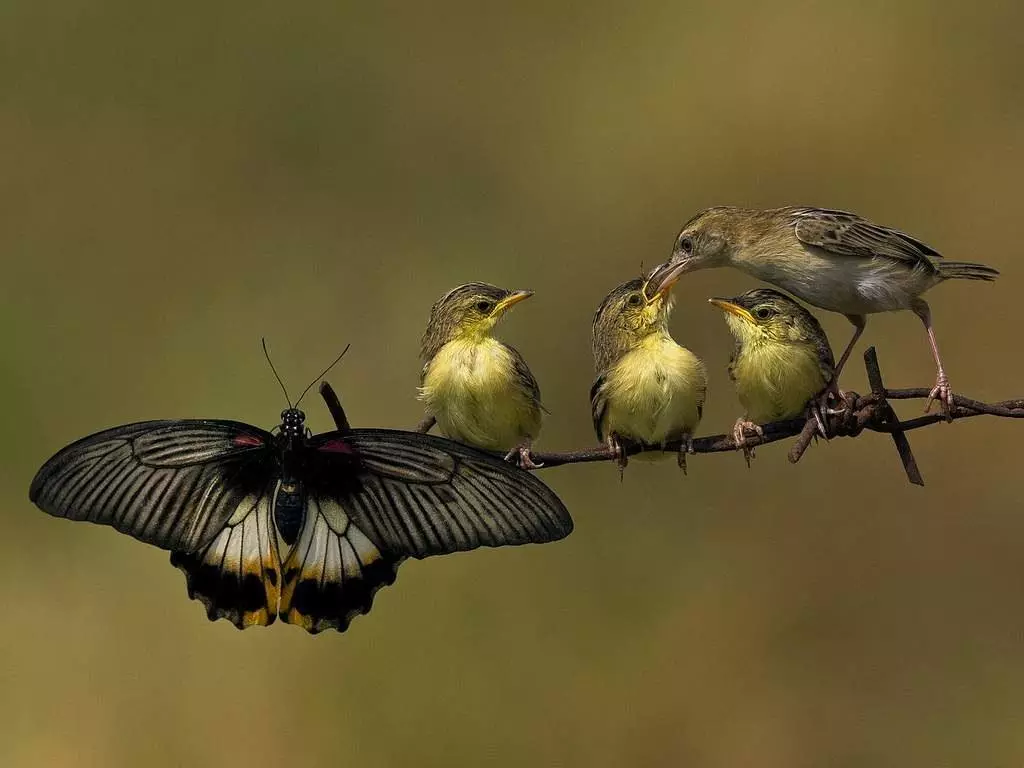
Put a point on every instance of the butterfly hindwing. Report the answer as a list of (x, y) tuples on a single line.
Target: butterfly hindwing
[(173, 484), (237, 575), (333, 570)]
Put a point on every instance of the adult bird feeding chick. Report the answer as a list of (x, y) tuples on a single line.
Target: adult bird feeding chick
[(781, 360), (648, 389), (831, 259), (480, 391)]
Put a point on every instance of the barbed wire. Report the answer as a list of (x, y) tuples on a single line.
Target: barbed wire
[(872, 412)]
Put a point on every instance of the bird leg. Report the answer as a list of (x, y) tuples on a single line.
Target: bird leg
[(739, 431), (817, 409), (859, 323), (619, 455), (941, 391), (522, 457), (685, 447)]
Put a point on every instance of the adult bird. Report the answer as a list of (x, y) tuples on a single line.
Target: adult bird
[(480, 391), (831, 259), (781, 360), (648, 389)]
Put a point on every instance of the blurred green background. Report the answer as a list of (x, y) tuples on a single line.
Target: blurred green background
[(179, 179)]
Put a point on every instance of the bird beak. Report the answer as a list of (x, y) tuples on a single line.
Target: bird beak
[(732, 308), (513, 298), (662, 279)]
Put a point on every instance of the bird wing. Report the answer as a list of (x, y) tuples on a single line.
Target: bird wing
[(524, 376), (737, 347), (599, 404), (847, 234), (826, 361)]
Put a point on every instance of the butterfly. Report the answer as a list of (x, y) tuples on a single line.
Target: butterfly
[(293, 525)]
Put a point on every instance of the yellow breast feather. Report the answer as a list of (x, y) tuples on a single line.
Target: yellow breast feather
[(775, 381), (655, 392), (471, 388)]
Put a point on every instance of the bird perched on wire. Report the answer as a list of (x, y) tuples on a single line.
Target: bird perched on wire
[(480, 391), (831, 259), (648, 389), (780, 363)]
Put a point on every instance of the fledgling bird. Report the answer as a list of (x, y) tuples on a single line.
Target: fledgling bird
[(781, 360), (480, 391), (831, 259), (648, 389)]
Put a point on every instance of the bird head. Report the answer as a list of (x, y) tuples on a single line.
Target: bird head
[(764, 315), (630, 313), (705, 241), (468, 311)]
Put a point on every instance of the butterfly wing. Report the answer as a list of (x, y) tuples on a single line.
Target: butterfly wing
[(236, 576), (173, 484), (377, 496), (200, 488), (334, 570)]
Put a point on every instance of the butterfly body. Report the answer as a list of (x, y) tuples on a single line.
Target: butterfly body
[(305, 527)]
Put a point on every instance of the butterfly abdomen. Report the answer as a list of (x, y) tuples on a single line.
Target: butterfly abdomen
[(289, 511)]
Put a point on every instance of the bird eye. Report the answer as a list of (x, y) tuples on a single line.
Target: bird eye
[(635, 300), (485, 306), (763, 313), (686, 244)]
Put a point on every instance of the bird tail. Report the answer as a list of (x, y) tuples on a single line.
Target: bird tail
[(964, 270)]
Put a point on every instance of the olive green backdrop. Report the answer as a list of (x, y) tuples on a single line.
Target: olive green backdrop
[(179, 179)]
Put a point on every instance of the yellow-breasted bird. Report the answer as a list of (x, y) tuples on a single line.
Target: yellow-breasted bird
[(480, 391), (648, 389), (831, 259), (781, 359)]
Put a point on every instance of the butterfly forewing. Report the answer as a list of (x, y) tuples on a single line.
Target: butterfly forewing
[(420, 495), (173, 484)]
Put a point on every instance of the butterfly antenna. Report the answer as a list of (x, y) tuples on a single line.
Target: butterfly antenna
[(266, 354), (322, 374)]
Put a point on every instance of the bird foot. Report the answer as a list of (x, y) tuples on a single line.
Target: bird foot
[(685, 447), (944, 394), (739, 431), (522, 457), (833, 401), (819, 410), (618, 454)]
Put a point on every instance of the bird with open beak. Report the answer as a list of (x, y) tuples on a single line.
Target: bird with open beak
[(831, 259), (480, 391), (781, 360), (649, 389)]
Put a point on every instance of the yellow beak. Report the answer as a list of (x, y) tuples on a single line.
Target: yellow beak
[(513, 298), (732, 308)]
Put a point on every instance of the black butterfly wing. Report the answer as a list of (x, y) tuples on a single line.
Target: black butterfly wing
[(200, 488), (377, 496), (236, 576), (173, 484)]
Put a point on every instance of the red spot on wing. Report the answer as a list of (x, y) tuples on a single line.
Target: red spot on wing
[(245, 441), (337, 446)]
